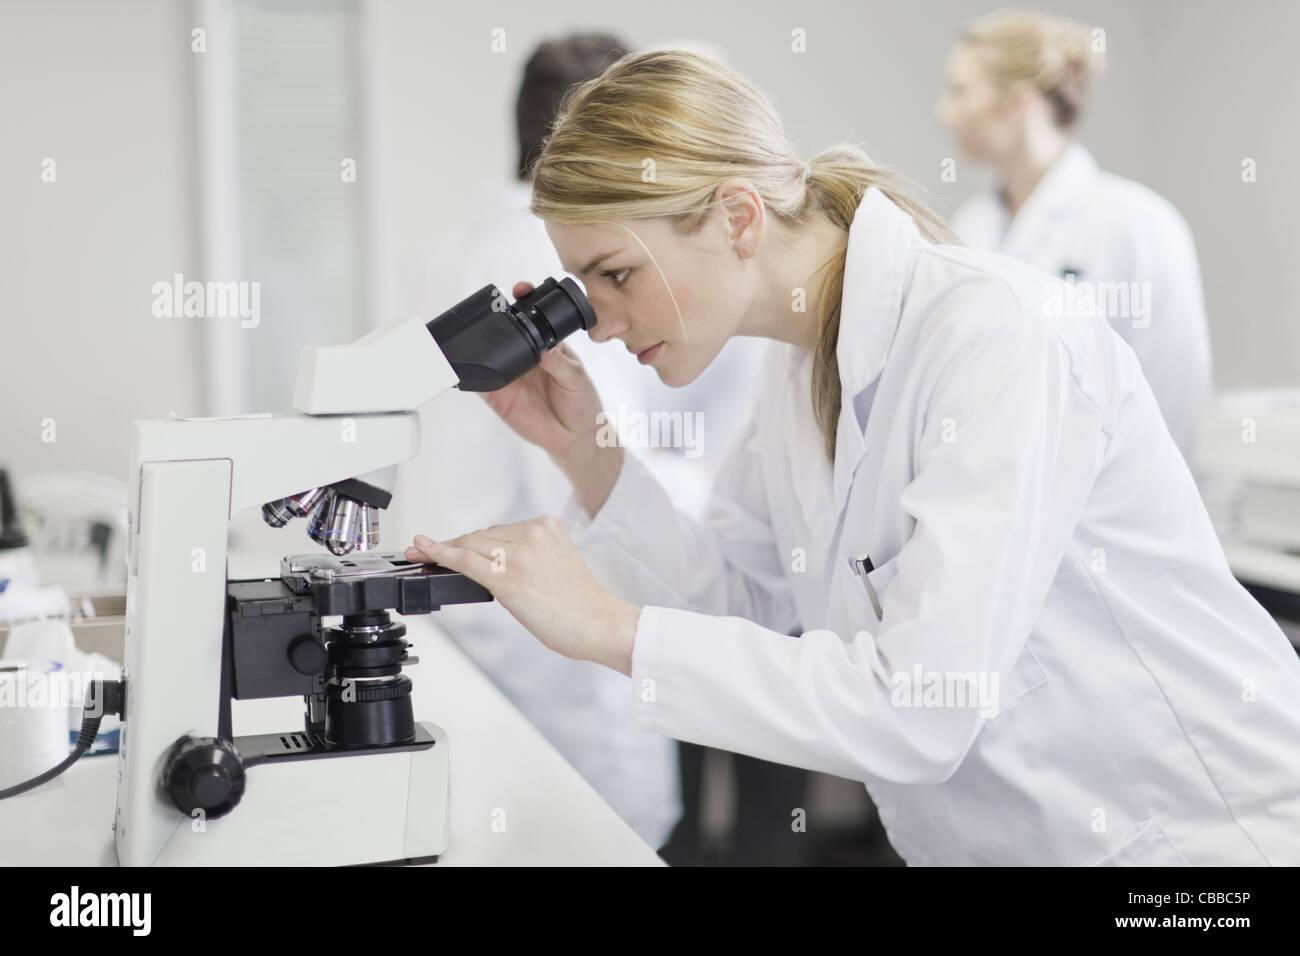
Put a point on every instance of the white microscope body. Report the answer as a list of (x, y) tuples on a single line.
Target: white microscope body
[(298, 802)]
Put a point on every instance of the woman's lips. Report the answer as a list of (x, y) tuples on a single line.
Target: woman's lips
[(648, 356)]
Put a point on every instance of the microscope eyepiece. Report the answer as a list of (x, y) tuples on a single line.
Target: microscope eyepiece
[(558, 309), (489, 342)]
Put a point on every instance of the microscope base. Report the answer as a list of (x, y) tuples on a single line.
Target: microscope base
[(374, 808)]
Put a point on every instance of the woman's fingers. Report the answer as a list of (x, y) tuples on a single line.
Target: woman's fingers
[(482, 542), (549, 589), (487, 544), (566, 370), (463, 560), (521, 288), (518, 531)]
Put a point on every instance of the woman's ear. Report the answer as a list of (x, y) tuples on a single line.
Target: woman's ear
[(744, 215)]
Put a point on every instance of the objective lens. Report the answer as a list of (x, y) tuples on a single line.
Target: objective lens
[(368, 528), (338, 521), (277, 513), (302, 504), (341, 536), (320, 518)]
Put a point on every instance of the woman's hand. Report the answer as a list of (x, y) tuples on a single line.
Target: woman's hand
[(534, 570), (555, 405)]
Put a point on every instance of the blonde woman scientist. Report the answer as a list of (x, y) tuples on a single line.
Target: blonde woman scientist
[(1040, 656), (1016, 85)]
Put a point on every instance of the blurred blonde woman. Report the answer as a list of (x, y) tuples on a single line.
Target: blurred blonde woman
[(1017, 84), (1018, 628)]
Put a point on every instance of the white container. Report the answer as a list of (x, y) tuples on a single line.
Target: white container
[(34, 701), (17, 569)]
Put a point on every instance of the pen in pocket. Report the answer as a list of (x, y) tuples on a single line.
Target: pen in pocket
[(862, 566)]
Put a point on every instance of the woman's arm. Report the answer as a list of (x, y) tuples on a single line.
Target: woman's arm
[(592, 471), (646, 550)]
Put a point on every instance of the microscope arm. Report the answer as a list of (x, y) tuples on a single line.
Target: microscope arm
[(397, 367), (480, 344)]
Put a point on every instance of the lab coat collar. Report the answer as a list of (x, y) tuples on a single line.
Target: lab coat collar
[(883, 242), (882, 249), (1064, 186)]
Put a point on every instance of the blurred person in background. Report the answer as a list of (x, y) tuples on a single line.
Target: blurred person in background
[(1016, 86)]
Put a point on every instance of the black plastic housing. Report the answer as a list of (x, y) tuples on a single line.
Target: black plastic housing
[(490, 342)]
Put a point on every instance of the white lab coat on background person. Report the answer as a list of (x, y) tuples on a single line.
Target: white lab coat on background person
[(474, 472), (1104, 229), (1030, 519)]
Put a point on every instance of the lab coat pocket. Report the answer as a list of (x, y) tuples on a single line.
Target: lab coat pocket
[(1026, 675), (863, 610), (880, 578), (1148, 847)]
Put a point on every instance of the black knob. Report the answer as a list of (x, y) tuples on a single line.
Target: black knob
[(204, 773), (308, 655)]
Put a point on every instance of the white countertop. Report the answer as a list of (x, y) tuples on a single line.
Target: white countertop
[(499, 761)]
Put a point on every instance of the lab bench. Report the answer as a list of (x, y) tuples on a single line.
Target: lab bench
[(514, 800)]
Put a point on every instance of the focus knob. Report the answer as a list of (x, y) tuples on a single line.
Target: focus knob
[(308, 656), (204, 773)]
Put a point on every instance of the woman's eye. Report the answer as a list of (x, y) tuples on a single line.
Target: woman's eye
[(619, 276)]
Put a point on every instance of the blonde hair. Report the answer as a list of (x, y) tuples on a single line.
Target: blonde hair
[(696, 123), (1055, 55)]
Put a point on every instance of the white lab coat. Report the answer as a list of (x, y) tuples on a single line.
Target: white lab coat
[(1030, 518), (1134, 250)]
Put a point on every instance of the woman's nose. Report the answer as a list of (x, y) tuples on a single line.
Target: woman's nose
[(606, 327)]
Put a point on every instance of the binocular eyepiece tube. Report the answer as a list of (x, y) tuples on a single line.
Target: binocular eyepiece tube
[(490, 342)]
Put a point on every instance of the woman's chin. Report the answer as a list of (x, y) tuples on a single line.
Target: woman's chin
[(672, 376)]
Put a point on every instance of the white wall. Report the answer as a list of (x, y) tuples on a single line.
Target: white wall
[(1220, 83), (104, 90)]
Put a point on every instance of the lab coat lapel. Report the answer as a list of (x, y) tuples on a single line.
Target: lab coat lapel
[(809, 470), (1062, 189), (882, 250), (882, 247)]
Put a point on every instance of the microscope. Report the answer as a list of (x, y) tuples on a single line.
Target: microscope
[(361, 781)]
